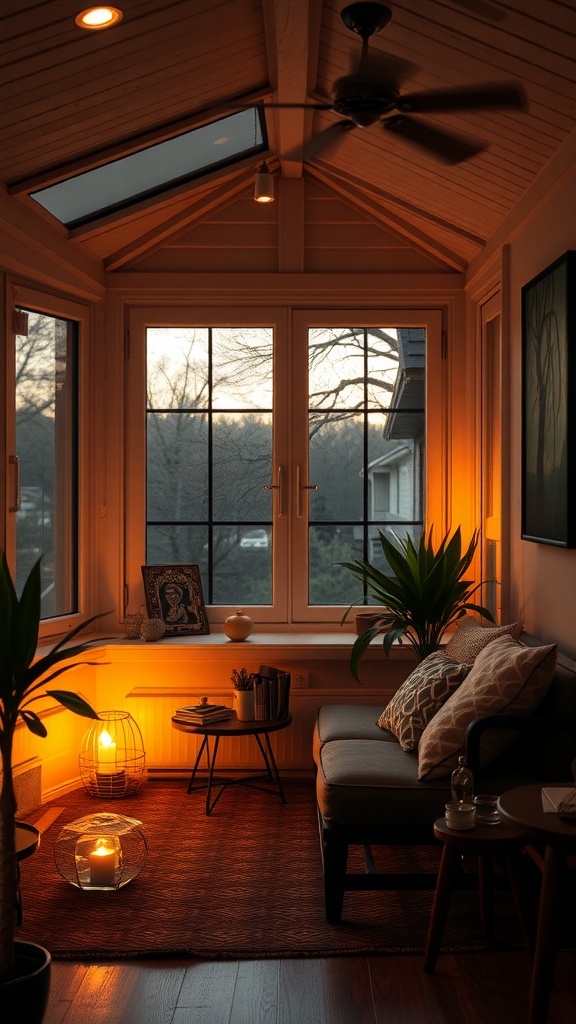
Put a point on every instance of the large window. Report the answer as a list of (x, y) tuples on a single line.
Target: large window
[(42, 484), (209, 455), (276, 447)]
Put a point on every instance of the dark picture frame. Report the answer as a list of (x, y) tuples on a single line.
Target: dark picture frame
[(549, 405), (174, 594)]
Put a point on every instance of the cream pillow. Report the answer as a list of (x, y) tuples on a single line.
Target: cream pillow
[(470, 637), (420, 696), (505, 677)]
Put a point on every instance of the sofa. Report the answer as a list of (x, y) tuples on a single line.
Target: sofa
[(383, 774)]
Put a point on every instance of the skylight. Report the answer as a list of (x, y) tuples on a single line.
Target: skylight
[(154, 170)]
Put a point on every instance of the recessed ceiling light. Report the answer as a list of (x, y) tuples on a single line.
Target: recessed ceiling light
[(95, 18)]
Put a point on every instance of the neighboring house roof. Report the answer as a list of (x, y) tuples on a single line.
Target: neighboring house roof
[(410, 390)]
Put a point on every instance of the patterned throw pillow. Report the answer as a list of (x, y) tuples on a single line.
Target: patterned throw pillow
[(470, 637), (505, 678), (420, 696)]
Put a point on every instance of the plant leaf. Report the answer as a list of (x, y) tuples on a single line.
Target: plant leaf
[(33, 723), (73, 702)]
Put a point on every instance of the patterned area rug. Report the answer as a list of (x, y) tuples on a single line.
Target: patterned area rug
[(244, 883)]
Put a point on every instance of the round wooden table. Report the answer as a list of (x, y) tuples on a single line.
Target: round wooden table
[(231, 727), (27, 842), (487, 842), (523, 809)]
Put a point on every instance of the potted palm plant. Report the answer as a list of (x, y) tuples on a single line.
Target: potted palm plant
[(23, 680), (423, 594)]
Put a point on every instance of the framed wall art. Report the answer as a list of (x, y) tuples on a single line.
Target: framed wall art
[(549, 405), (174, 594)]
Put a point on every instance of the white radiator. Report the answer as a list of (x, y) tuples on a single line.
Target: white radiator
[(169, 749), (28, 785)]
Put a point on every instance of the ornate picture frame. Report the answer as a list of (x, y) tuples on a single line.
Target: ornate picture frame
[(174, 594), (549, 405)]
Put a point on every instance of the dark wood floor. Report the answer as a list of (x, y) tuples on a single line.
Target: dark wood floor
[(467, 988)]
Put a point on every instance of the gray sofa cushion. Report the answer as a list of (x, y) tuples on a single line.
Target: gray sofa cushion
[(363, 782), (348, 722)]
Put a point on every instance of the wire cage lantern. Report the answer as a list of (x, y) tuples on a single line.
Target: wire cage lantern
[(101, 851), (112, 757)]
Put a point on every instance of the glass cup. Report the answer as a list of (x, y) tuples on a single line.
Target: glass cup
[(460, 816), (486, 805)]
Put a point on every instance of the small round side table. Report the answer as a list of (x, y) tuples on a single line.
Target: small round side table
[(232, 728), (523, 808), (487, 842)]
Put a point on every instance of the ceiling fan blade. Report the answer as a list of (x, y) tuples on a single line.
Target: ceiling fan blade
[(322, 143), (435, 101), (451, 148)]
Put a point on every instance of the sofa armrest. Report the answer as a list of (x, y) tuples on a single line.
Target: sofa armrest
[(520, 723)]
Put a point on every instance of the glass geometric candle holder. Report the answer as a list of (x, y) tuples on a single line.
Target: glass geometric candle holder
[(112, 758), (101, 851)]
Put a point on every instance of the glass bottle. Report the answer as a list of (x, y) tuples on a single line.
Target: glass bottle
[(462, 783)]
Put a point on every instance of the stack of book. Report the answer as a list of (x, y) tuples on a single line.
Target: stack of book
[(202, 714), (271, 693)]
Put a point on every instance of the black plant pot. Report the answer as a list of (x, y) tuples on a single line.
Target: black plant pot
[(26, 997)]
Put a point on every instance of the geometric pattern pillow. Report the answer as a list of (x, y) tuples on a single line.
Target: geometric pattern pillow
[(470, 637), (505, 678), (420, 696)]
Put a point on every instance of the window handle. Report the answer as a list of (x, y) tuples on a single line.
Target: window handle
[(299, 488), (277, 487), (15, 461)]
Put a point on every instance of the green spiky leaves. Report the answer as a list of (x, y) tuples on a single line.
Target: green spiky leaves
[(423, 594)]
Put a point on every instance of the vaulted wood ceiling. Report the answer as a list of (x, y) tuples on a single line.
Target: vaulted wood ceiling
[(69, 99)]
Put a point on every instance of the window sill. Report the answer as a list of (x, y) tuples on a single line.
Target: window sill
[(216, 646)]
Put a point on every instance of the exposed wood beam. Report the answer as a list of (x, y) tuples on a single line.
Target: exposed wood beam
[(292, 35)]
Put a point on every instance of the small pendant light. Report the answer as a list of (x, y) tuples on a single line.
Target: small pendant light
[(264, 185)]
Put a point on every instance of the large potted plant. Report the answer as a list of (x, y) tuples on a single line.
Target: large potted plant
[(23, 680), (423, 594)]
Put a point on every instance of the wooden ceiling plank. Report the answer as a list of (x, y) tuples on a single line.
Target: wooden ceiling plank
[(177, 225), (425, 243)]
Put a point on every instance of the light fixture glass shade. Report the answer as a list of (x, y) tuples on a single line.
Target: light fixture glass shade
[(101, 851), (96, 18), (264, 185), (112, 758)]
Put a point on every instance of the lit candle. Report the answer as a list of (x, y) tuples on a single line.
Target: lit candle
[(106, 751), (102, 862)]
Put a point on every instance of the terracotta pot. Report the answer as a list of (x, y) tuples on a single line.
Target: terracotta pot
[(26, 997), (364, 620)]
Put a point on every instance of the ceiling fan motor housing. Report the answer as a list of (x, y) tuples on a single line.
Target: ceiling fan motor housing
[(363, 102)]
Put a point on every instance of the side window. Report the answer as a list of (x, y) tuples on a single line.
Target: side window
[(42, 487)]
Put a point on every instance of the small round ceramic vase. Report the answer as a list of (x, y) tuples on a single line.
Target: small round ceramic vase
[(238, 626)]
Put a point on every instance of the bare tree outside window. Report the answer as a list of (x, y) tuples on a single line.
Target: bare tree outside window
[(209, 437), (46, 447)]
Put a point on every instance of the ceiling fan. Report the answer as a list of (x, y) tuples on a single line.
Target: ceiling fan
[(371, 96)]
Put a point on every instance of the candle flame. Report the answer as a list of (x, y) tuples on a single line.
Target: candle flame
[(105, 740), (103, 848)]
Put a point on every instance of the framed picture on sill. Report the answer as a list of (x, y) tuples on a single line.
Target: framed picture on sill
[(174, 594), (549, 405)]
